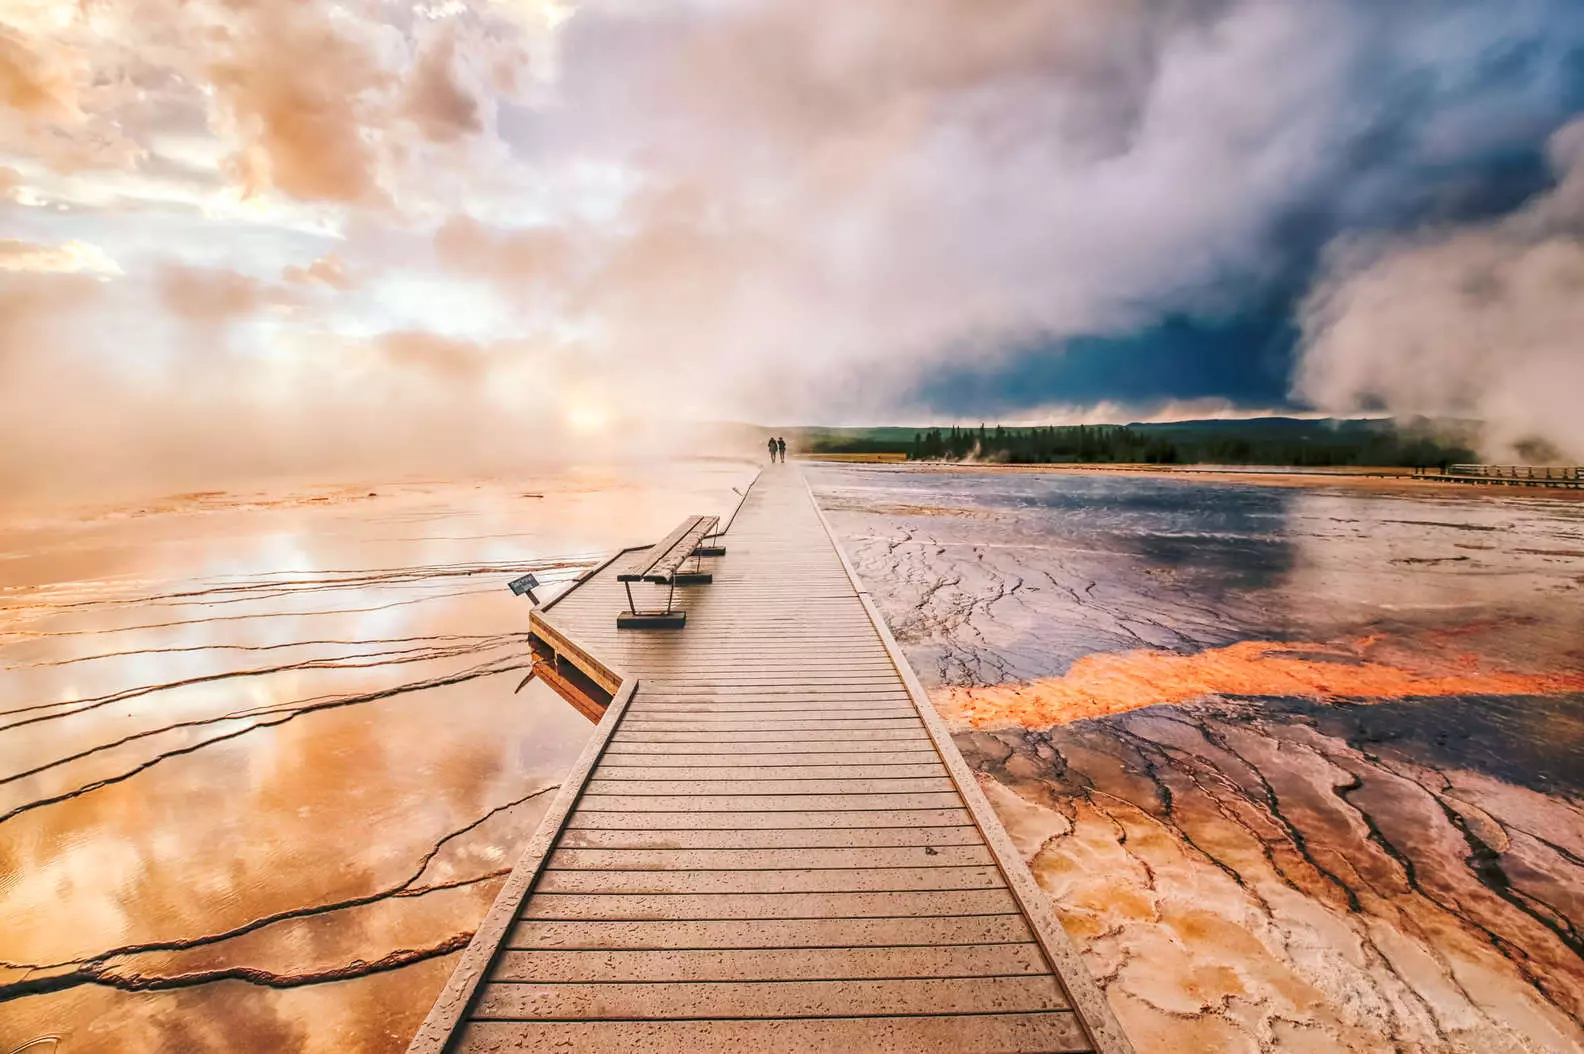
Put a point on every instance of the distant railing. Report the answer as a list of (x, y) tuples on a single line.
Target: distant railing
[(1555, 473)]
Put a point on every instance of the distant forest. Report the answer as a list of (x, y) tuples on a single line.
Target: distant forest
[(1262, 441)]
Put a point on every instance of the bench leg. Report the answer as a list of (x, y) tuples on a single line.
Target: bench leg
[(669, 618), (696, 577), (651, 620)]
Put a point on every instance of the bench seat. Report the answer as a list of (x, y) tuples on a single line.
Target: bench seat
[(662, 561), (662, 564)]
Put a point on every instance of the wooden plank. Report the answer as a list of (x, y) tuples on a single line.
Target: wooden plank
[(837, 785), (853, 857), (834, 880), (768, 905), (843, 761), (718, 773), (769, 964), (776, 803), (1050, 1032), (938, 931), (592, 1002), (775, 838), (836, 722), (757, 711), (690, 819), (805, 735), (798, 749), (775, 692)]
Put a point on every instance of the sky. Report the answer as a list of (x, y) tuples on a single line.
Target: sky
[(242, 237)]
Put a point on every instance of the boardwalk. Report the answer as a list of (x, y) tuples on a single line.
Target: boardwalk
[(770, 844)]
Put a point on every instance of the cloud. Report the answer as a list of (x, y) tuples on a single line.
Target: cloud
[(434, 101), (328, 271), (73, 257), (436, 356), (824, 199), (1479, 320), (213, 296), (514, 260), (295, 84), (34, 83)]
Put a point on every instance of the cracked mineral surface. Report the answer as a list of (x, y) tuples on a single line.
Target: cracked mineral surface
[(1302, 769), (262, 767)]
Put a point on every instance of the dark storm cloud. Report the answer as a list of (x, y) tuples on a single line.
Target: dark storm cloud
[(1242, 362), (1462, 143)]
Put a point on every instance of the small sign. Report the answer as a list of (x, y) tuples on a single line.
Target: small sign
[(525, 584)]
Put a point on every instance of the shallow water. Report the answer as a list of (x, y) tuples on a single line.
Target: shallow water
[(262, 761), (1301, 768)]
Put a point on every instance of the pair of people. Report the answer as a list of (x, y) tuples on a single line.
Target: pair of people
[(777, 449)]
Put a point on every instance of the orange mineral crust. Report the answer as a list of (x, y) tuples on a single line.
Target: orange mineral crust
[(1114, 683)]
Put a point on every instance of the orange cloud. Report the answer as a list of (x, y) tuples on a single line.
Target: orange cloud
[(213, 296), (73, 257), (512, 260), (327, 270), (297, 87), (1114, 683), (31, 84), (445, 357), (435, 102)]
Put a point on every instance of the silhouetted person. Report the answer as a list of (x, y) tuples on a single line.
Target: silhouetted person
[(772, 446), (781, 449)]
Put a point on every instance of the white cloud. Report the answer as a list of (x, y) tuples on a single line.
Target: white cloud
[(1484, 321)]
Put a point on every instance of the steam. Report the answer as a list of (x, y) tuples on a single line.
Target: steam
[(1483, 321)]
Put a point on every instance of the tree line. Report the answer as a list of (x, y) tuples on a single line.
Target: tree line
[(1355, 443)]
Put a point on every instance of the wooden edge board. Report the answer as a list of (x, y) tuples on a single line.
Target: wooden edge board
[(740, 503), (1083, 995), (539, 624), (451, 1006)]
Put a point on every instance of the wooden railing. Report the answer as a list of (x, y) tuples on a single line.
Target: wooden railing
[(1538, 473)]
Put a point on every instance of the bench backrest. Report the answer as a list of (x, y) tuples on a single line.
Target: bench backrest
[(660, 562)]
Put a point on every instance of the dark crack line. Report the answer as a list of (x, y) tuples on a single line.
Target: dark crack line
[(443, 637), (266, 590), (401, 656), (105, 977), (321, 613), (84, 970), (288, 715)]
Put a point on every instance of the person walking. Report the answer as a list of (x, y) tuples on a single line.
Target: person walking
[(781, 448), (772, 446)]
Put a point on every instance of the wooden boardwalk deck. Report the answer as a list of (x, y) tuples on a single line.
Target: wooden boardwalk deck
[(770, 844)]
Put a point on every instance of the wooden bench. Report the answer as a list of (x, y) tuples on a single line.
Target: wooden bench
[(663, 564)]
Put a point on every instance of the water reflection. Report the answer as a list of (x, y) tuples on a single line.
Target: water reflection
[(261, 764)]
